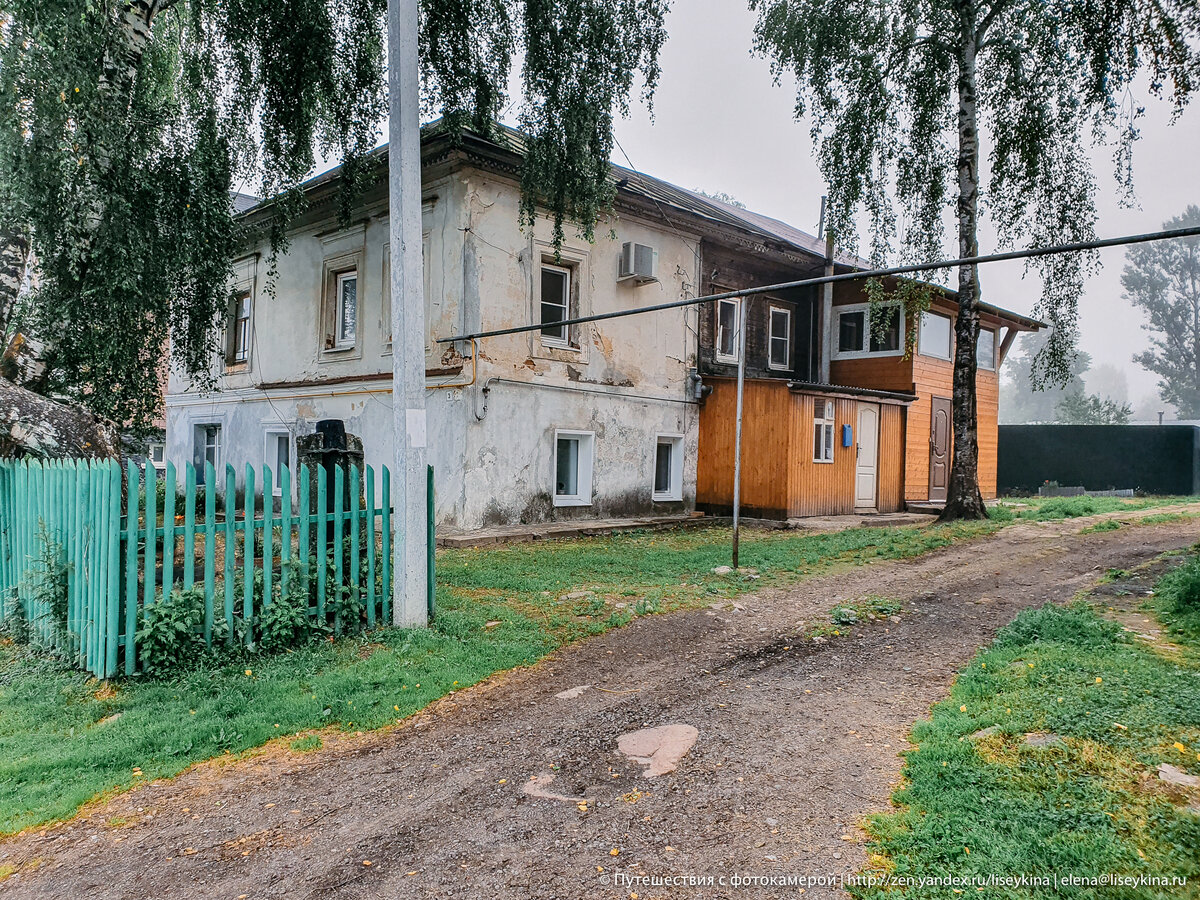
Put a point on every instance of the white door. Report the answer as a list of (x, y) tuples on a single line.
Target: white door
[(866, 470)]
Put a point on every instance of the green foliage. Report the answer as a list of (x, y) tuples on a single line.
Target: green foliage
[(580, 61), (285, 623), (15, 624), (989, 803), (1177, 598), (170, 633), (1024, 400), (307, 744), (1105, 525), (1090, 409), (126, 123), (1163, 280), (46, 586), (901, 95)]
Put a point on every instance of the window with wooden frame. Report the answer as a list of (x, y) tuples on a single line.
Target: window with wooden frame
[(345, 321), (237, 331), (823, 426), (554, 304), (341, 303), (728, 321), (779, 352)]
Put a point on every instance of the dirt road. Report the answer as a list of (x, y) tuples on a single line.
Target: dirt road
[(797, 740)]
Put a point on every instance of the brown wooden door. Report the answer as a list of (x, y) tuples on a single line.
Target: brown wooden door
[(939, 448)]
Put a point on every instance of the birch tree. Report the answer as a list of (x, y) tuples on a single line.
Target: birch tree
[(907, 97), (125, 124)]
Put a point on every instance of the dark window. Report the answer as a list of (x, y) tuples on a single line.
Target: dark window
[(239, 330), (850, 331), (206, 447), (556, 303), (567, 464), (662, 468), (885, 338), (780, 339), (727, 327)]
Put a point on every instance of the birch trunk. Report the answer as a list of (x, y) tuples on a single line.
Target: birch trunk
[(14, 259), (135, 19), (963, 499)]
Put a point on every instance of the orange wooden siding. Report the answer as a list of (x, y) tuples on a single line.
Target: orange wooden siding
[(891, 463), (927, 377), (935, 378), (779, 476)]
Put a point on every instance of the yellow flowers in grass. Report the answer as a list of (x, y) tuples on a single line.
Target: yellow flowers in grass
[(249, 672), (1099, 680), (1178, 746), (963, 708)]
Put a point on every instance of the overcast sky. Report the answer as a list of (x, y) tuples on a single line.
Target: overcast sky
[(722, 125)]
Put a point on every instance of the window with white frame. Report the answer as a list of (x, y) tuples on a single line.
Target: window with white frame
[(668, 467), (780, 341), (985, 350), (278, 454), (862, 331), (573, 454), (935, 336), (345, 319), (206, 447), (823, 424), (156, 453), (237, 349), (555, 305), (728, 320)]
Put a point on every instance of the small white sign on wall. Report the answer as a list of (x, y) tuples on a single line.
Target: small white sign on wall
[(415, 425)]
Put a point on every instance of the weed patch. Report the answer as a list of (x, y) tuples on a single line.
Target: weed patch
[(981, 798)]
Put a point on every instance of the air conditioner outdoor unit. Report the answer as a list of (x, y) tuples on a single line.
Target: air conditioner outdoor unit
[(639, 263)]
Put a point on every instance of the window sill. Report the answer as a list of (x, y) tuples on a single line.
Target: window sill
[(236, 368), (866, 354), (727, 360), (571, 501), (823, 462), (666, 498), (339, 354)]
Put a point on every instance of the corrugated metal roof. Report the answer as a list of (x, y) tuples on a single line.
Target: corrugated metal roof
[(664, 193), (698, 204)]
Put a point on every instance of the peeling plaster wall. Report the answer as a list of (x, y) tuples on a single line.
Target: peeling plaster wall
[(492, 444)]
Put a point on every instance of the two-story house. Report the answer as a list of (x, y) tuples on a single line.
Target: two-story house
[(566, 422), (604, 419)]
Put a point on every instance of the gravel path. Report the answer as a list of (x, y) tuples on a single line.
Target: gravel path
[(796, 741)]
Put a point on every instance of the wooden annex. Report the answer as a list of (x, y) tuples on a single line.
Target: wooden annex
[(820, 367), (781, 479)]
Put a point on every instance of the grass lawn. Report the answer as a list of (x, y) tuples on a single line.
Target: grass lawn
[(980, 800), (65, 738)]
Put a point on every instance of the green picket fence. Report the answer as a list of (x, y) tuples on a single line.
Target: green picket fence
[(121, 548)]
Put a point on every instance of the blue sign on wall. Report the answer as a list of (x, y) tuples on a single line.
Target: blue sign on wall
[(847, 436)]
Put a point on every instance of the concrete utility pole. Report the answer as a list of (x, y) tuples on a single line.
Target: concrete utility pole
[(410, 574)]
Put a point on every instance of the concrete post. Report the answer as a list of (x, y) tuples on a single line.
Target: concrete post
[(409, 607)]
